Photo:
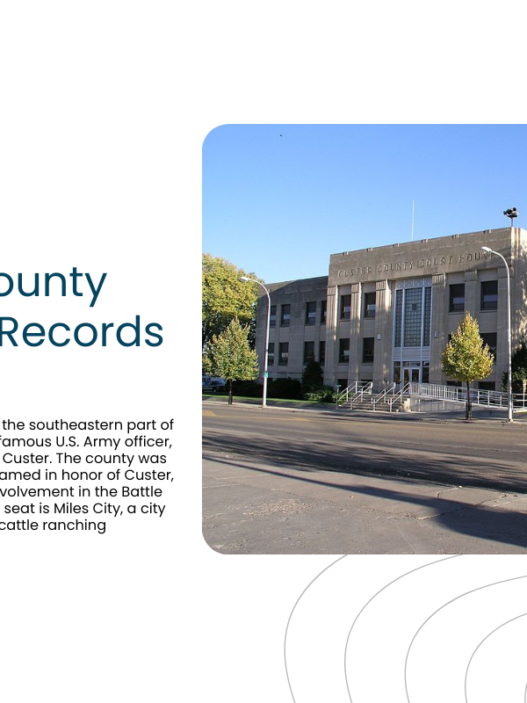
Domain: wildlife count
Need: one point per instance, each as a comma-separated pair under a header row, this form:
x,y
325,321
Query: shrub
x,y
249,389
284,388
325,394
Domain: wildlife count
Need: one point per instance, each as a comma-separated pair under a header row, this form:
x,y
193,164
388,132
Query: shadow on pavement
x,y
465,518
354,458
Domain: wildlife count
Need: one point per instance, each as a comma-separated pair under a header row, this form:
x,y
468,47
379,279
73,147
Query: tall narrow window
x,y
322,353
345,307
283,353
323,311
285,316
398,317
272,317
270,354
491,340
413,301
368,344
425,372
344,351
309,352
457,298
369,304
311,313
489,295
427,318
413,316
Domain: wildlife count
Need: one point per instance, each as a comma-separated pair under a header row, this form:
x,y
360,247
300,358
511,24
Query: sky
x,y
278,200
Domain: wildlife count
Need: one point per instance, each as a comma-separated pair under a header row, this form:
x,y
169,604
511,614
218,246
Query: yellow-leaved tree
x,y
466,358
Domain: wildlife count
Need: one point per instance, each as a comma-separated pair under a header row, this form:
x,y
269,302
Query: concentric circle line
x,y
445,605
291,615
484,640
423,566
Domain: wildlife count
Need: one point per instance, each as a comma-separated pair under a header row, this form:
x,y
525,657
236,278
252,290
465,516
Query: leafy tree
x,y
466,358
229,355
518,369
225,296
312,377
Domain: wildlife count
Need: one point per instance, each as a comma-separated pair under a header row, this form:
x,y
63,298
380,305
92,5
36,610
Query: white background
x,y
104,107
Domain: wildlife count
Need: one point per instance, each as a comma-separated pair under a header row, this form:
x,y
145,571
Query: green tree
x,y
225,296
466,358
229,355
518,368
312,377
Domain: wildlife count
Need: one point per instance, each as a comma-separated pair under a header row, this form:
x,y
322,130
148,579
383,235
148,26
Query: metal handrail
x,y
433,391
360,393
458,394
345,393
519,402
354,390
405,390
382,396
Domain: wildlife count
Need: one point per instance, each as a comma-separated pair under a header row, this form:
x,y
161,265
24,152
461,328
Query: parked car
x,y
210,384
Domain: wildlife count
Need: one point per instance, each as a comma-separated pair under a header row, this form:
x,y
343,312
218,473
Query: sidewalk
x,y
257,507
479,413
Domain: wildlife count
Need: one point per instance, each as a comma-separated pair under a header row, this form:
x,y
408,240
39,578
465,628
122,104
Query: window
x,y
309,352
283,353
413,301
398,318
427,321
369,305
487,386
272,318
367,350
491,340
270,354
311,313
489,295
286,315
344,351
323,311
322,353
345,307
457,298
413,316
425,372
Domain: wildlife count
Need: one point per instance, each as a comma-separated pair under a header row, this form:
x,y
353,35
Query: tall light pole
x,y
509,331
266,352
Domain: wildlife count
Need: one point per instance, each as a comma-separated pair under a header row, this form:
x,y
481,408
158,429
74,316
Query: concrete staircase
x,y
374,402
366,404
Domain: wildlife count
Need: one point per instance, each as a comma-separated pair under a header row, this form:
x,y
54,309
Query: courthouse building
x,y
384,314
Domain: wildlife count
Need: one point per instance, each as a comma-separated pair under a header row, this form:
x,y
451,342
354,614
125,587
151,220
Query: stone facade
x,y
385,314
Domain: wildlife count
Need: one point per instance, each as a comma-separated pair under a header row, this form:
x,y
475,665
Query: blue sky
x,y
278,206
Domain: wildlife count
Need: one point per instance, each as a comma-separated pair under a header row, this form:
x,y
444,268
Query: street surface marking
x,y
208,413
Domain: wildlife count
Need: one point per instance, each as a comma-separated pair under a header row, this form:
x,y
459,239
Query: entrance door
x,y
412,374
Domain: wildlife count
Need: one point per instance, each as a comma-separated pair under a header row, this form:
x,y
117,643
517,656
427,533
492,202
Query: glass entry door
x,y
412,374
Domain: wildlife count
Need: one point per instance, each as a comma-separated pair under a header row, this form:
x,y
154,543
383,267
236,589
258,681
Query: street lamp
x,y
512,212
491,251
245,279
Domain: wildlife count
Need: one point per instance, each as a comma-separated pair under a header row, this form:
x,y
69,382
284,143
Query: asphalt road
x,y
282,481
